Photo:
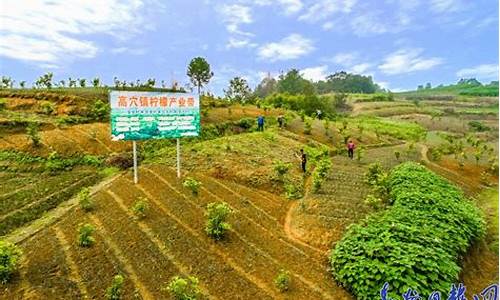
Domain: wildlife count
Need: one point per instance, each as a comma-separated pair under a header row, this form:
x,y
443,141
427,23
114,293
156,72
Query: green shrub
x,y
217,214
374,173
292,191
282,281
55,164
3,104
10,255
319,174
86,202
307,126
33,133
140,208
478,126
246,123
317,181
414,244
192,184
374,201
85,238
114,292
184,288
99,110
281,168
47,108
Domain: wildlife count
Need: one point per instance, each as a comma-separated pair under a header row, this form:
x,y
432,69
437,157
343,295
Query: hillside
x,y
281,220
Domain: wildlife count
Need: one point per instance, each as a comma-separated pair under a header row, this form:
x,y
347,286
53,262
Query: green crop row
x,y
416,243
37,210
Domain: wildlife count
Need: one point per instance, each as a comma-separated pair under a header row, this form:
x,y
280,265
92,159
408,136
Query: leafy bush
x,y
10,255
282,281
192,184
217,214
414,244
99,110
374,201
85,238
55,164
33,134
114,292
3,104
184,288
374,173
478,126
307,126
281,168
86,202
140,208
323,166
292,191
246,123
47,108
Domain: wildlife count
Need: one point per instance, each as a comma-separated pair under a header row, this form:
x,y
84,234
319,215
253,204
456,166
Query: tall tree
x,y
266,87
293,83
199,72
238,90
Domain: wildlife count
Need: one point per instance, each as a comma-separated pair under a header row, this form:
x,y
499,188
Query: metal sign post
x,y
178,158
134,146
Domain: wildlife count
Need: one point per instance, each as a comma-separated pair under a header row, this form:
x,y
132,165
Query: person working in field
x,y
280,121
260,123
350,149
303,159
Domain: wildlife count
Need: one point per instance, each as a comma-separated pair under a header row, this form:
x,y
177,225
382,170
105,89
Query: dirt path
x,y
452,175
290,234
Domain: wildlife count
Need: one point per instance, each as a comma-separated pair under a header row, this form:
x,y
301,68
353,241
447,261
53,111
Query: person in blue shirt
x,y
260,123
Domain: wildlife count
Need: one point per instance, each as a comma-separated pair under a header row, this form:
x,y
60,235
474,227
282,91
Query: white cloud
x,y
235,15
50,32
315,73
371,23
328,25
291,47
289,6
483,72
239,43
133,51
344,58
441,6
325,8
360,68
407,61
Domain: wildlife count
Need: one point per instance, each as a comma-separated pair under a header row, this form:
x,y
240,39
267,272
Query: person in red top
x,y
350,149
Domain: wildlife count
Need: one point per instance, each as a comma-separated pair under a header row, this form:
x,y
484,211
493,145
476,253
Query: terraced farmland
x,y
171,241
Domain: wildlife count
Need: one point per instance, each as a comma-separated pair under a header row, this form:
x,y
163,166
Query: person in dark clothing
x,y
280,121
303,160
350,149
260,123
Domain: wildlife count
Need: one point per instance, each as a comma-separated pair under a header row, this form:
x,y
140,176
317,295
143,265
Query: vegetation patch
x,y
414,244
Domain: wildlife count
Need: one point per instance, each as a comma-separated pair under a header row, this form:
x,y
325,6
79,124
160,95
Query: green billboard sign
x,y
153,115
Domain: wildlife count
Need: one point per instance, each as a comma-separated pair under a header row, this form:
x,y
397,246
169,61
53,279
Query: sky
x,y
400,43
